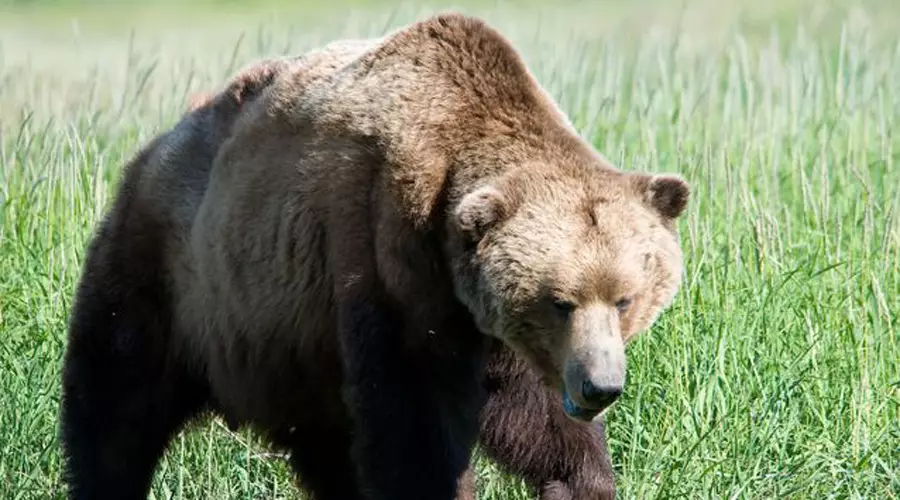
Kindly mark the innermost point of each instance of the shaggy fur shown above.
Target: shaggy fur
(372, 217)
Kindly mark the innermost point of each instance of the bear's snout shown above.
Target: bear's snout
(594, 375)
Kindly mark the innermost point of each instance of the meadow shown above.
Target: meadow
(776, 372)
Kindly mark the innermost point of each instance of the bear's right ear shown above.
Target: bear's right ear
(479, 210)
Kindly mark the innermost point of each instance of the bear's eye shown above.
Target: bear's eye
(564, 306)
(623, 304)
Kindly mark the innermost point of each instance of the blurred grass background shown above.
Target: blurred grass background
(775, 374)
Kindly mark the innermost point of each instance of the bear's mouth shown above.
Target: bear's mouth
(576, 412)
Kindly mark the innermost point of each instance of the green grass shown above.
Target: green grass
(776, 373)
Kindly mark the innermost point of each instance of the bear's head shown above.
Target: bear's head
(566, 263)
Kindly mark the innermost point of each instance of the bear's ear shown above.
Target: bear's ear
(479, 210)
(667, 193)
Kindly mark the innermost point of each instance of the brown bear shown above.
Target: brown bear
(335, 252)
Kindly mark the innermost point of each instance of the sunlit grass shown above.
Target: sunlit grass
(776, 374)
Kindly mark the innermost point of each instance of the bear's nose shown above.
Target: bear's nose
(600, 396)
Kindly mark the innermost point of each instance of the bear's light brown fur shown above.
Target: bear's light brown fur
(377, 213)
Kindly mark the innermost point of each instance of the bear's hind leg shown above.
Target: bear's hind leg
(123, 399)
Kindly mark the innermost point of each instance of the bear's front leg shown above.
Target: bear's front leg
(415, 422)
(526, 432)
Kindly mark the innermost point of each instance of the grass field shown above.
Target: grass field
(776, 373)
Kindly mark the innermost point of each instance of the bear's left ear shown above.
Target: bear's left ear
(667, 193)
(479, 210)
